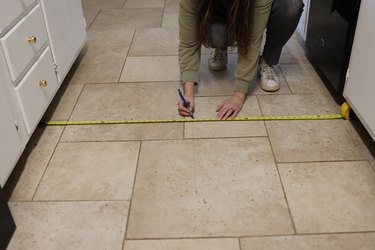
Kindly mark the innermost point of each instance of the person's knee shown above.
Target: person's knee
(294, 9)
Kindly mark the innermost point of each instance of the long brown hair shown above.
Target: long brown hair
(239, 22)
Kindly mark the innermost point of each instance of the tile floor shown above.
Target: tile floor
(212, 186)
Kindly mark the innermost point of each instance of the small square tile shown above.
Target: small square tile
(69, 225)
(362, 241)
(101, 65)
(303, 79)
(170, 21)
(127, 18)
(330, 196)
(206, 108)
(171, 6)
(314, 140)
(205, 188)
(144, 4)
(33, 162)
(155, 42)
(90, 171)
(298, 104)
(214, 83)
(151, 69)
(193, 244)
(100, 4)
(110, 38)
(121, 132)
(63, 103)
(127, 101)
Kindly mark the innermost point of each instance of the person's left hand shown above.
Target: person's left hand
(230, 108)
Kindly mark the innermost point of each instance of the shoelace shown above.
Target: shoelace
(269, 72)
(218, 54)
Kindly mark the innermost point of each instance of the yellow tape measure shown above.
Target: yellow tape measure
(253, 118)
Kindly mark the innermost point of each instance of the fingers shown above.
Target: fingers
(219, 107)
(184, 111)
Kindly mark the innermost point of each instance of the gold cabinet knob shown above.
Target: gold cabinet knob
(31, 39)
(43, 83)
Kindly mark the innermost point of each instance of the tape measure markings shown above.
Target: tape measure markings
(253, 118)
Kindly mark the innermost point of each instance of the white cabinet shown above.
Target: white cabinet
(66, 30)
(360, 88)
(40, 40)
(302, 25)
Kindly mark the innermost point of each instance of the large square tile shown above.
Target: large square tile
(206, 108)
(170, 21)
(171, 6)
(293, 52)
(316, 140)
(33, 162)
(206, 244)
(155, 42)
(298, 104)
(101, 65)
(90, 171)
(63, 103)
(216, 83)
(69, 225)
(330, 196)
(123, 132)
(144, 4)
(204, 188)
(110, 38)
(302, 78)
(127, 18)
(151, 69)
(358, 241)
(102, 4)
(127, 101)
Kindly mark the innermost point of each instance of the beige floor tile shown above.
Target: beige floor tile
(206, 108)
(63, 103)
(90, 15)
(170, 21)
(298, 104)
(33, 162)
(303, 79)
(90, 171)
(372, 164)
(123, 132)
(331, 196)
(128, 101)
(293, 52)
(127, 18)
(151, 69)
(144, 4)
(102, 4)
(330, 140)
(213, 83)
(199, 188)
(171, 6)
(101, 65)
(360, 241)
(118, 37)
(155, 42)
(206, 244)
(69, 225)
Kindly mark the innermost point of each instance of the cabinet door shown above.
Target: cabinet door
(66, 32)
(10, 142)
(360, 88)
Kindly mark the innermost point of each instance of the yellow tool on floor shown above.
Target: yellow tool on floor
(345, 110)
(253, 118)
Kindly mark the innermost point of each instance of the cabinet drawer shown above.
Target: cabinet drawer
(20, 48)
(33, 94)
(10, 10)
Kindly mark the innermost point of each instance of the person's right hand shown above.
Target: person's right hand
(189, 97)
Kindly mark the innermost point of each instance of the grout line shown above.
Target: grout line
(126, 56)
(163, 13)
(286, 81)
(131, 198)
(123, 5)
(88, 27)
(66, 201)
(239, 244)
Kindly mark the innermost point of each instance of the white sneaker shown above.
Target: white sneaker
(269, 81)
(218, 60)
